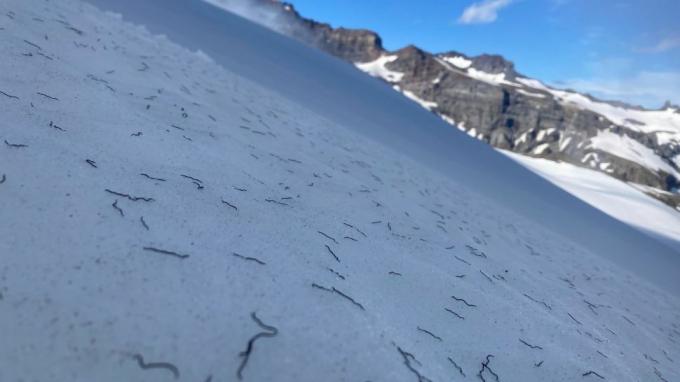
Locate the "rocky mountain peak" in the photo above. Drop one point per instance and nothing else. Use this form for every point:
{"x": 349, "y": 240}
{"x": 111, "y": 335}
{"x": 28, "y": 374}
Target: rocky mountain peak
{"x": 494, "y": 64}
{"x": 453, "y": 53}
{"x": 412, "y": 52}
{"x": 669, "y": 105}
{"x": 354, "y": 44}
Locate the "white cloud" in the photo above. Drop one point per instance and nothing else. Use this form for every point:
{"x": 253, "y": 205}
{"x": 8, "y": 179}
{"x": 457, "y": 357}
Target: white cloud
{"x": 483, "y": 12}
{"x": 664, "y": 45}
{"x": 647, "y": 88}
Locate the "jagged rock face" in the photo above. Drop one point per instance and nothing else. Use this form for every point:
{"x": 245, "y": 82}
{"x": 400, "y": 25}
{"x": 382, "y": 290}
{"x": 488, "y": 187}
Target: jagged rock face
{"x": 492, "y": 63}
{"x": 416, "y": 64}
{"x": 502, "y": 117}
{"x": 351, "y": 45}
{"x": 354, "y": 45}
{"x": 486, "y": 97}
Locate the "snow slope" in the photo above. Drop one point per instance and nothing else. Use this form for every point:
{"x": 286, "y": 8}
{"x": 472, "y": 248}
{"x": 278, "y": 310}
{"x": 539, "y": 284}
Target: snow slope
{"x": 614, "y": 197}
{"x": 160, "y": 211}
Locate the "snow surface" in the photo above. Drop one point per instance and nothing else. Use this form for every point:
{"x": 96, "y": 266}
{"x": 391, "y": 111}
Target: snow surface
{"x": 156, "y": 202}
{"x": 540, "y": 149}
{"x": 490, "y": 78}
{"x": 621, "y": 200}
{"x": 531, "y": 94}
{"x": 627, "y": 148}
{"x": 532, "y": 83}
{"x": 458, "y": 61}
{"x": 378, "y": 69}
{"x": 497, "y": 79}
{"x": 429, "y": 105}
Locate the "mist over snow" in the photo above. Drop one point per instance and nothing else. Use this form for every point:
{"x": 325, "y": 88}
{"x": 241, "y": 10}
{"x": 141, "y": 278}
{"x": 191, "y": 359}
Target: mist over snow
{"x": 263, "y": 12}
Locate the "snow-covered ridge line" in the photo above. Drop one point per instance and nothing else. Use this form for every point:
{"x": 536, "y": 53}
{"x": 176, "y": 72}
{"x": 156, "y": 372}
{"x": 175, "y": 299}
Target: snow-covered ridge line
{"x": 491, "y": 78}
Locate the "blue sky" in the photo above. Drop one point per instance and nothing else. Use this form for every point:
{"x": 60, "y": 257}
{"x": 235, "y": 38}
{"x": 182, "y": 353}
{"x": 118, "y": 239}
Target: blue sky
{"x": 615, "y": 49}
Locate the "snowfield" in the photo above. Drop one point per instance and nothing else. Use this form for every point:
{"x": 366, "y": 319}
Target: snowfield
{"x": 619, "y": 199}
{"x": 193, "y": 212}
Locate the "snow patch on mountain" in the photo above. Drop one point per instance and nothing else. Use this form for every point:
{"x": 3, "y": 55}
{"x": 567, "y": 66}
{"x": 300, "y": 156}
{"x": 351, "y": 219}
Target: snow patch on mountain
{"x": 426, "y": 104}
{"x": 538, "y": 150}
{"x": 627, "y": 148}
{"x": 458, "y": 61}
{"x": 457, "y": 65}
{"x": 532, "y": 83}
{"x": 490, "y": 78}
{"x": 377, "y": 68}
